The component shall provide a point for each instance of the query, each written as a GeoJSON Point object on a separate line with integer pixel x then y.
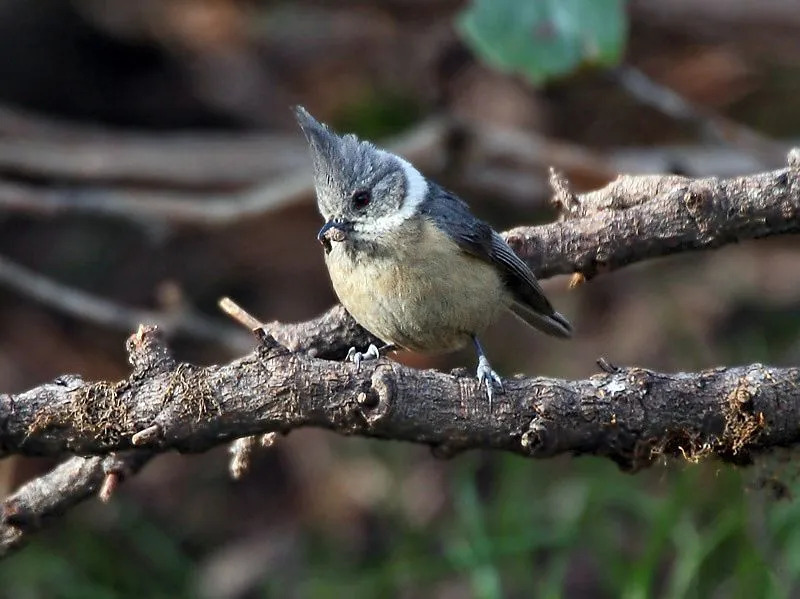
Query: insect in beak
{"type": "Point", "coordinates": [333, 230]}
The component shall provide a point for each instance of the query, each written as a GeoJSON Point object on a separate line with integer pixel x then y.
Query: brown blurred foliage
{"type": "Point", "coordinates": [236, 66]}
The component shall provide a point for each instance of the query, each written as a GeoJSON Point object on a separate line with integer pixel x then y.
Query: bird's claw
{"type": "Point", "coordinates": [356, 357]}
{"type": "Point", "coordinates": [489, 378]}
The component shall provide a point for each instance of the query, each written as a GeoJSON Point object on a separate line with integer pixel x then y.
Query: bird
{"type": "Point", "coordinates": [408, 259]}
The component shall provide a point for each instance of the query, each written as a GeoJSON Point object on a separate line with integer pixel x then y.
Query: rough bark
{"type": "Point", "coordinates": [630, 415]}
{"type": "Point", "coordinates": [626, 414]}
{"type": "Point", "coordinates": [643, 217]}
{"type": "Point", "coordinates": [43, 499]}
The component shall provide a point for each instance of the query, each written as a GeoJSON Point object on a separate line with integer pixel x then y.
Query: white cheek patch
{"type": "Point", "coordinates": [416, 191]}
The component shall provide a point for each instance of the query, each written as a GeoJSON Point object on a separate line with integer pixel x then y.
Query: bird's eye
{"type": "Point", "coordinates": [361, 199]}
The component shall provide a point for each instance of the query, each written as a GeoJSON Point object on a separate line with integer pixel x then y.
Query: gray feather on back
{"type": "Point", "coordinates": [453, 216]}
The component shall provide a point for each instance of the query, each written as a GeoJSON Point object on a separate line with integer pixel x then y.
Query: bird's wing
{"type": "Point", "coordinates": [478, 239]}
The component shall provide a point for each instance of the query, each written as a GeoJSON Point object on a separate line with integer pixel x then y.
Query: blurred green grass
{"type": "Point", "coordinates": [543, 529]}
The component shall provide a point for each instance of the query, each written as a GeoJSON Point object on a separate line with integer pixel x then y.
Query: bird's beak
{"type": "Point", "coordinates": [332, 231]}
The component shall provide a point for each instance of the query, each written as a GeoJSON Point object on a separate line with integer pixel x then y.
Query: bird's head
{"type": "Point", "coordinates": [363, 192]}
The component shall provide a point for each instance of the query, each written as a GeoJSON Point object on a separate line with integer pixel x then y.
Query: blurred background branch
{"type": "Point", "coordinates": [148, 161]}
{"type": "Point", "coordinates": [100, 311]}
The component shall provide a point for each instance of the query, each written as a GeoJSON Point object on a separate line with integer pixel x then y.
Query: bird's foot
{"type": "Point", "coordinates": [356, 357]}
{"type": "Point", "coordinates": [488, 378]}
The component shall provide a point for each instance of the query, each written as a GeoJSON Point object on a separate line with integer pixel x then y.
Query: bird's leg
{"type": "Point", "coordinates": [372, 353]}
{"type": "Point", "coordinates": [487, 376]}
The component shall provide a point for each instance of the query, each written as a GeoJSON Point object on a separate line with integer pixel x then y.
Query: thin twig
{"type": "Point", "coordinates": [423, 143]}
{"type": "Point", "coordinates": [723, 129]}
{"type": "Point", "coordinates": [160, 208]}
{"type": "Point", "coordinates": [42, 500]}
{"type": "Point", "coordinates": [239, 314]}
{"type": "Point", "coordinates": [531, 149]}
{"type": "Point", "coordinates": [196, 161]}
{"type": "Point", "coordinates": [101, 311]}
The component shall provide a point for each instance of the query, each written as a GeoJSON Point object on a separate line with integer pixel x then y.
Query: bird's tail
{"type": "Point", "coordinates": [553, 324]}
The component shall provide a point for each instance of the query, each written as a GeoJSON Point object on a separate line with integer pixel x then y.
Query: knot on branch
{"type": "Point", "coordinates": [116, 468]}
{"type": "Point", "coordinates": [373, 401]}
{"type": "Point", "coordinates": [146, 436]}
{"type": "Point", "coordinates": [700, 203]}
{"type": "Point", "coordinates": [743, 424]}
{"type": "Point", "coordinates": [187, 399]}
{"type": "Point", "coordinates": [266, 341]}
{"type": "Point", "coordinates": [535, 440]}
{"type": "Point", "coordinates": [69, 381]}
{"type": "Point", "coordinates": [148, 353]}
{"type": "Point", "coordinates": [15, 513]}
{"type": "Point", "coordinates": [793, 159]}
{"type": "Point", "coordinates": [564, 199]}
{"type": "Point", "coordinates": [376, 402]}
{"type": "Point", "coordinates": [268, 346]}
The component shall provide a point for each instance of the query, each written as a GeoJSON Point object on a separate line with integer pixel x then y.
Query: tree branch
{"type": "Point", "coordinates": [179, 207]}
{"type": "Point", "coordinates": [43, 499]}
{"type": "Point", "coordinates": [630, 415]}
{"type": "Point", "coordinates": [636, 218]}
{"type": "Point", "coordinates": [660, 97]}
{"type": "Point", "coordinates": [98, 310]}
{"type": "Point", "coordinates": [627, 415]}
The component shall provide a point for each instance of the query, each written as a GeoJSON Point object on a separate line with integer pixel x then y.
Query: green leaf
{"type": "Point", "coordinates": [545, 39]}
